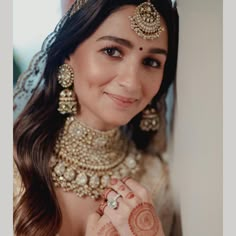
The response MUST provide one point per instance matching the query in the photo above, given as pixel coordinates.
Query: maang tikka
(67, 100)
(146, 21)
(150, 120)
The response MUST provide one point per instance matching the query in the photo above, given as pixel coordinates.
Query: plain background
(197, 145)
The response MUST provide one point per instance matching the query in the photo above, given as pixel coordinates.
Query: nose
(129, 77)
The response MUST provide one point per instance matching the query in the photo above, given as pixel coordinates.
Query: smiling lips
(121, 101)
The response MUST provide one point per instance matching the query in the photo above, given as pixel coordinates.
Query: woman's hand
(134, 214)
(98, 225)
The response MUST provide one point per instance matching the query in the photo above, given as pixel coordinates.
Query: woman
(80, 141)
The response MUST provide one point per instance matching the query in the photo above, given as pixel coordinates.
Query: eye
(152, 62)
(112, 51)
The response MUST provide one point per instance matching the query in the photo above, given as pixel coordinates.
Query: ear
(67, 61)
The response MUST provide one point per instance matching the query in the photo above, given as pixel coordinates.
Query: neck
(94, 123)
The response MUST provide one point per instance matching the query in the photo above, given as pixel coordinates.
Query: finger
(139, 190)
(93, 218)
(91, 223)
(103, 220)
(99, 211)
(120, 211)
(96, 219)
(97, 225)
(106, 192)
(130, 197)
(108, 229)
(101, 208)
(119, 216)
(128, 202)
(117, 209)
(125, 178)
(113, 201)
(120, 187)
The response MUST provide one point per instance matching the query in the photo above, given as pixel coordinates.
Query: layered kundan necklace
(85, 159)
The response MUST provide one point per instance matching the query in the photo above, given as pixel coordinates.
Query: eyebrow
(128, 44)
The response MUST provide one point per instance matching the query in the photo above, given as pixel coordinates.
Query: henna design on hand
(99, 211)
(143, 220)
(108, 230)
(129, 195)
(106, 192)
(101, 208)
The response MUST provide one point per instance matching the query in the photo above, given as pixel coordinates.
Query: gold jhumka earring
(150, 120)
(146, 21)
(67, 100)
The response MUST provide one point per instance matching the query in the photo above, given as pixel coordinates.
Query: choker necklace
(84, 159)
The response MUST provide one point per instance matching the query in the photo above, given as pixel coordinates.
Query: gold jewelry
(85, 159)
(150, 120)
(146, 21)
(67, 100)
(77, 5)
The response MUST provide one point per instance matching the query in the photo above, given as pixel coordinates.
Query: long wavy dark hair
(37, 127)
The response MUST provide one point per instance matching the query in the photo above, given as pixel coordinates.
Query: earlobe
(67, 60)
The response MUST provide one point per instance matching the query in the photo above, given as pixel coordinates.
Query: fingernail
(129, 195)
(113, 181)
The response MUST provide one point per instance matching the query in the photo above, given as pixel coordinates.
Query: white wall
(197, 138)
(32, 21)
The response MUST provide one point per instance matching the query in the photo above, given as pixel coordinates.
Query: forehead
(118, 24)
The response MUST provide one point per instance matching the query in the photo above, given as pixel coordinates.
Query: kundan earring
(150, 120)
(67, 100)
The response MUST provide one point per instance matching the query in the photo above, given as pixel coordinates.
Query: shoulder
(156, 179)
(155, 172)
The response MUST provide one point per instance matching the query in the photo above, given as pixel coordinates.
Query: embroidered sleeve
(156, 179)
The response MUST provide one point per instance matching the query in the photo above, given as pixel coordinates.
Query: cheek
(92, 73)
(151, 82)
(151, 89)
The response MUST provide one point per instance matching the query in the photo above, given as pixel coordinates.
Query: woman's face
(117, 73)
